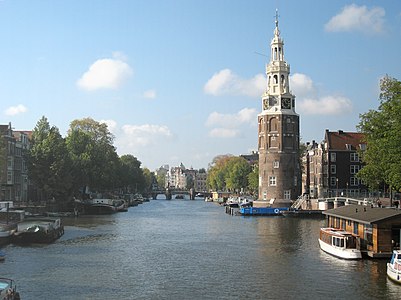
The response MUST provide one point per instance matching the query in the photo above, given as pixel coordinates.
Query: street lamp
(346, 190)
(337, 187)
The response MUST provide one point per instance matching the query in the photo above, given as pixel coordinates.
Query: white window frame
(272, 181)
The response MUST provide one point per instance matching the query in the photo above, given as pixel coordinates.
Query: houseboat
(377, 227)
(340, 243)
(38, 230)
(8, 289)
(100, 206)
(394, 267)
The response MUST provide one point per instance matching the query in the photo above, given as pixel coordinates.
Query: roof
(338, 140)
(363, 214)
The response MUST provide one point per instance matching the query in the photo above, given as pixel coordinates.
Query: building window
(276, 164)
(333, 169)
(355, 228)
(287, 194)
(333, 157)
(354, 181)
(333, 181)
(272, 181)
(354, 169)
(362, 147)
(354, 157)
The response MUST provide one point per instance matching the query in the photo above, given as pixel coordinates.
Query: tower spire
(276, 30)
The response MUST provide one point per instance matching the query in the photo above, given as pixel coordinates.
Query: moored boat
(394, 267)
(340, 243)
(262, 211)
(2, 256)
(8, 289)
(38, 230)
(98, 206)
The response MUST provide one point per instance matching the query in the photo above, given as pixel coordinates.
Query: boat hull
(38, 231)
(393, 274)
(340, 252)
(262, 211)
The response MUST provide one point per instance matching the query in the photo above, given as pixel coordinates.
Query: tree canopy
(382, 130)
(49, 162)
(229, 173)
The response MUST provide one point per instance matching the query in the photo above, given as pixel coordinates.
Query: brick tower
(278, 133)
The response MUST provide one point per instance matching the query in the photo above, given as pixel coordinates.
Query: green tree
(237, 173)
(132, 177)
(95, 161)
(382, 130)
(150, 178)
(253, 180)
(228, 173)
(49, 163)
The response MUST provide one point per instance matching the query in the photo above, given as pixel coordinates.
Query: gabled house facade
(330, 168)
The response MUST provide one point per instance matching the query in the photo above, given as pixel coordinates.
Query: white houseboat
(340, 243)
(394, 267)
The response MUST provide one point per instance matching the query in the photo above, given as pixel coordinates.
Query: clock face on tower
(265, 103)
(286, 103)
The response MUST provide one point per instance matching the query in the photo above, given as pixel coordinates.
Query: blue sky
(181, 80)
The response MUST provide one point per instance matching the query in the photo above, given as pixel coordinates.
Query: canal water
(183, 249)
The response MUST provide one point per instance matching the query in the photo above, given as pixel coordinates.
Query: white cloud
(106, 73)
(246, 115)
(111, 125)
(149, 94)
(227, 125)
(328, 105)
(144, 135)
(301, 84)
(309, 104)
(15, 110)
(224, 133)
(225, 82)
(357, 18)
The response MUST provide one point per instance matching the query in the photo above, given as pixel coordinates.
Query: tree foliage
(94, 157)
(382, 130)
(49, 162)
(228, 173)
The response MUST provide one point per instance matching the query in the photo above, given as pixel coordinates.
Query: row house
(330, 168)
(13, 169)
(177, 177)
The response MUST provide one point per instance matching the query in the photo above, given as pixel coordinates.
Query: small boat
(38, 230)
(179, 196)
(394, 267)
(8, 289)
(340, 243)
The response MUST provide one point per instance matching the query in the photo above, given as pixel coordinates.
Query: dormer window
(348, 147)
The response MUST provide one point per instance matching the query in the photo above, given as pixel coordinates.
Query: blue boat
(262, 211)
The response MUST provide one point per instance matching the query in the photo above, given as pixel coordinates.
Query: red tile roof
(338, 140)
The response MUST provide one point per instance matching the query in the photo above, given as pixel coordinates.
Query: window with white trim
(354, 169)
(276, 164)
(333, 169)
(354, 157)
(333, 157)
(272, 180)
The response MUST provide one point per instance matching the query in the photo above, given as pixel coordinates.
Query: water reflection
(182, 249)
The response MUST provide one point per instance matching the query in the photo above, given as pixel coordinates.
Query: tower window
(272, 180)
(275, 79)
(276, 164)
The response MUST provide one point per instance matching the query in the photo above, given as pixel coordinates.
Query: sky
(180, 81)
